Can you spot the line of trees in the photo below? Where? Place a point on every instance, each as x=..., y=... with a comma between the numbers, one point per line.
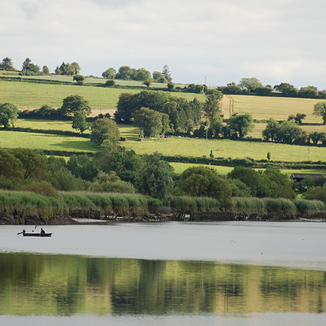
x=115, y=169
x=252, y=86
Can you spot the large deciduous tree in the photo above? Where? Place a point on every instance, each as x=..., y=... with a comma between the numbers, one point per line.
x=240, y=124
x=250, y=84
x=103, y=129
x=205, y=182
x=79, y=121
x=109, y=73
x=151, y=123
x=8, y=114
x=154, y=178
x=7, y=64
x=34, y=164
x=320, y=111
x=74, y=103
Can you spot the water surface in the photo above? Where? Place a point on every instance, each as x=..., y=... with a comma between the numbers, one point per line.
x=231, y=273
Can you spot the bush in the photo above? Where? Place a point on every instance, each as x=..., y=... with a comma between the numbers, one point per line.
x=109, y=83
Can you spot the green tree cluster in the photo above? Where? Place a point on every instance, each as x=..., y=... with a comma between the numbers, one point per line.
x=7, y=64
x=29, y=68
x=8, y=114
x=150, y=122
x=68, y=69
x=183, y=114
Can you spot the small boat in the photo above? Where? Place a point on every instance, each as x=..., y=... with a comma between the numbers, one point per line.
x=25, y=234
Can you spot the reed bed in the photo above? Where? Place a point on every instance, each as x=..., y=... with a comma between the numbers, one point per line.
x=309, y=207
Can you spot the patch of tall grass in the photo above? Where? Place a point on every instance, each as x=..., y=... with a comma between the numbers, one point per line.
x=194, y=204
x=305, y=206
x=280, y=205
x=250, y=205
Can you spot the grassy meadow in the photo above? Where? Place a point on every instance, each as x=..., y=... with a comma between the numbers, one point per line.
x=14, y=139
x=32, y=95
x=228, y=148
x=102, y=100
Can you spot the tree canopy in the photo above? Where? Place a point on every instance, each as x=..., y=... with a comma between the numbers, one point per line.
x=102, y=129
x=74, y=103
x=8, y=114
x=154, y=177
x=320, y=110
x=240, y=124
x=204, y=182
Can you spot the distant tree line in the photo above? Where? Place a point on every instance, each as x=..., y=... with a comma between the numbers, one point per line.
x=252, y=86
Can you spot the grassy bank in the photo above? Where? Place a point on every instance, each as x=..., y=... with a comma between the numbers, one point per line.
x=27, y=207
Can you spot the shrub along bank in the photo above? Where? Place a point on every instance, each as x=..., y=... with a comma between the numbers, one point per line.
x=31, y=208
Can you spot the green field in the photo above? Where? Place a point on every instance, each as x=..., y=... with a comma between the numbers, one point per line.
x=14, y=139
x=228, y=148
x=31, y=95
x=177, y=145
x=102, y=100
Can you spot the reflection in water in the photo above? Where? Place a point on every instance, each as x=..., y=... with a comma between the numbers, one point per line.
x=60, y=285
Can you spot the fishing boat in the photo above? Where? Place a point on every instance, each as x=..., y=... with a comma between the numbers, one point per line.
x=25, y=234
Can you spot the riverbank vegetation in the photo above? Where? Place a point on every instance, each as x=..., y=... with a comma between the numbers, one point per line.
x=191, y=126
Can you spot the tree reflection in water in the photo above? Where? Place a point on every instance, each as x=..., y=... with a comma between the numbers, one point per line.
x=61, y=285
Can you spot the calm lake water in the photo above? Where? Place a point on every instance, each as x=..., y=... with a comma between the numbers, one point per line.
x=230, y=273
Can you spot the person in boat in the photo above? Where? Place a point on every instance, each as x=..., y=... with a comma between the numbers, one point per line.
x=22, y=232
x=42, y=231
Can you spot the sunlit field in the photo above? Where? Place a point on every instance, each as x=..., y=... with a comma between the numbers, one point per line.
x=228, y=148
x=102, y=99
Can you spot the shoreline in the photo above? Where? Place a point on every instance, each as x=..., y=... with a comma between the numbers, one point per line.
x=7, y=219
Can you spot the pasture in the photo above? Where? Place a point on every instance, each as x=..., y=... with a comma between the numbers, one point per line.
x=102, y=100
x=14, y=139
x=227, y=148
x=180, y=167
x=185, y=146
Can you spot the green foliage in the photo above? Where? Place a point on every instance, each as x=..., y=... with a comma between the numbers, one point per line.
x=150, y=122
x=110, y=83
x=287, y=132
x=111, y=183
x=33, y=164
x=316, y=193
x=82, y=166
x=79, y=79
x=109, y=73
x=74, y=103
x=297, y=118
x=8, y=114
x=7, y=65
x=124, y=162
x=286, y=89
x=248, y=205
x=10, y=165
x=205, y=182
x=216, y=126
x=29, y=69
x=166, y=73
x=277, y=205
x=255, y=180
x=320, y=110
x=103, y=129
x=250, y=84
x=212, y=106
x=154, y=177
x=68, y=69
x=240, y=124
x=43, y=188
x=309, y=206
x=79, y=121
